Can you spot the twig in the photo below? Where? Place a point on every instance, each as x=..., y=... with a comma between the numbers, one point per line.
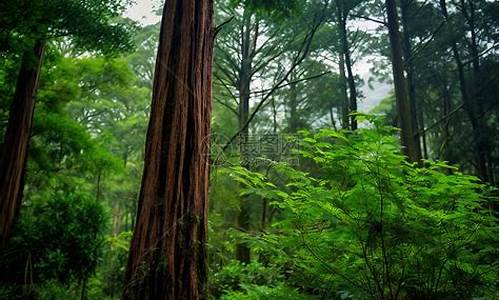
x=292, y=82
x=368, y=19
x=219, y=28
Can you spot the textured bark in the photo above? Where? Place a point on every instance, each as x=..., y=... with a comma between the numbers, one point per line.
x=15, y=148
x=167, y=257
x=403, y=106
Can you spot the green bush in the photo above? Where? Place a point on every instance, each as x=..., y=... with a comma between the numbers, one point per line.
x=256, y=292
x=58, y=240
x=358, y=221
x=235, y=276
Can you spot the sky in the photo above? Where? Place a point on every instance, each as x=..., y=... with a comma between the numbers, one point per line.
x=143, y=12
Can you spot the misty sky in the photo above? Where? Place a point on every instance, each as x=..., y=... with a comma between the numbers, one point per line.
x=143, y=11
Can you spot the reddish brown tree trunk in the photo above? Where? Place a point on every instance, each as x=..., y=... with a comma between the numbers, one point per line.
x=167, y=257
x=403, y=106
x=14, y=152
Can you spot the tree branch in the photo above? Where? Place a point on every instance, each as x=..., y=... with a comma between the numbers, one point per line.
x=368, y=19
x=292, y=82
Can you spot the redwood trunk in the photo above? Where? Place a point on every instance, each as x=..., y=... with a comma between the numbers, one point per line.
x=410, y=147
x=14, y=152
x=167, y=258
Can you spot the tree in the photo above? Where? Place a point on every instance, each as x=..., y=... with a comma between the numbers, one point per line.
x=470, y=93
x=89, y=26
x=13, y=159
x=167, y=258
x=408, y=13
x=342, y=10
x=259, y=48
x=410, y=147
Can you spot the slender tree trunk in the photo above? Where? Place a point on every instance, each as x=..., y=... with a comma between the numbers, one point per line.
x=481, y=135
x=243, y=219
x=14, y=151
x=332, y=118
x=293, y=122
x=167, y=258
x=343, y=91
x=443, y=151
x=469, y=104
x=353, y=102
x=417, y=115
x=410, y=148
x=342, y=24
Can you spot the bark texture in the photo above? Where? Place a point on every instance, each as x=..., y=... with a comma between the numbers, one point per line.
x=167, y=257
x=403, y=105
x=14, y=152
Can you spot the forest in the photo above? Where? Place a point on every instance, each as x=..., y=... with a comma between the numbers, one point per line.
x=249, y=149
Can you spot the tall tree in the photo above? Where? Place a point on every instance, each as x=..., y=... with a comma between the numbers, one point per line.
x=253, y=49
x=407, y=16
x=342, y=11
x=89, y=27
x=470, y=91
x=167, y=258
x=403, y=106
x=13, y=159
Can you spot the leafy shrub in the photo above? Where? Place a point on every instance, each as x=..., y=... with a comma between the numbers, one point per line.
x=58, y=239
x=235, y=276
x=111, y=272
x=256, y=292
x=363, y=223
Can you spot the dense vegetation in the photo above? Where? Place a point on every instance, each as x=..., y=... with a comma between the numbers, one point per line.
x=309, y=198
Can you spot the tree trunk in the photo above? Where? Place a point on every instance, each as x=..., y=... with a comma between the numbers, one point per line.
x=417, y=115
x=167, y=258
x=469, y=104
x=14, y=152
x=481, y=135
x=243, y=219
x=293, y=121
x=403, y=106
x=343, y=91
x=342, y=24
x=443, y=151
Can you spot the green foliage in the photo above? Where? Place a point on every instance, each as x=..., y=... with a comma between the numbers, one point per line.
x=253, y=281
x=111, y=271
x=90, y=25
x=279, y=292
x=58, y=238
x=363, y=222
